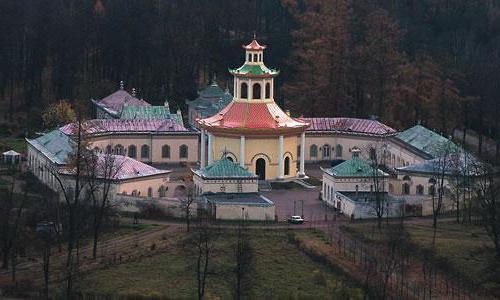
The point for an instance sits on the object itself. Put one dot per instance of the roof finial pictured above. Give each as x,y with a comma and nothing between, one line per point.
134,92
254,35
122,85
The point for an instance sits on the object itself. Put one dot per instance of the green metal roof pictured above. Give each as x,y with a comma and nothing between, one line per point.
257,70
425,140
55,145
211,91
145,113
224,168
355,167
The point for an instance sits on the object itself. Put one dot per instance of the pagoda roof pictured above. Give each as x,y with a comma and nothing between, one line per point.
115,102
355,167
251,70
349,125
253,117
224,168
254,45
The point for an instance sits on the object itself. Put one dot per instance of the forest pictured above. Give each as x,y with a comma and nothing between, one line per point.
403,62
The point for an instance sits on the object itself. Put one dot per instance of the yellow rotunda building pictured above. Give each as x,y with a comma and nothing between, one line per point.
253,130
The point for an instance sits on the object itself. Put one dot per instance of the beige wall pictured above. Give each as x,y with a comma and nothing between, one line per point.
261,147
332,185
42,168
142,185
224,185
155,144
254,213
399,155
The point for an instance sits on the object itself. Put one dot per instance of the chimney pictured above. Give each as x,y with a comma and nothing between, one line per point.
122,85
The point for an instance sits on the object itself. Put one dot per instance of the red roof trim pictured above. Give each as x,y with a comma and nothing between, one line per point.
254,45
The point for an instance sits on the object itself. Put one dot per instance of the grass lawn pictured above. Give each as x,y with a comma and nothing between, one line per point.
16,144
462,249
279,270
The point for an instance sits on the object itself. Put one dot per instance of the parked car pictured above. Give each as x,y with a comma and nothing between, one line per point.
296,220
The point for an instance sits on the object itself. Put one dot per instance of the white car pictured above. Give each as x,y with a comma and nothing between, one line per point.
296,220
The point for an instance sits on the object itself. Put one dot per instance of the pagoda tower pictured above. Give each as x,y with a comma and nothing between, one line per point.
252,129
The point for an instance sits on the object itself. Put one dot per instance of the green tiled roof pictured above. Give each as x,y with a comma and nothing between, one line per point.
257,70
145,113
211,91
55,145
355,167
224,168
425,140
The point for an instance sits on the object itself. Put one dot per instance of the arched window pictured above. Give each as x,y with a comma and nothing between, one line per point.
256,91
268,90
230,159
326,151
244,91
183,151
313,151
119,150
255,57
108,149
145,151
287,165
165,151
132,151
150,192
406,189
420,189
249,57
373,154
338,150
162,191
406,178
260,57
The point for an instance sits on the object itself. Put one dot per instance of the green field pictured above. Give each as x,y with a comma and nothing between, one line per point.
279,270
460,249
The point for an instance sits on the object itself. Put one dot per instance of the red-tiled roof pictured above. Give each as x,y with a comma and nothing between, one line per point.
118,167
118,99
253,116
254,45
353,125
102,126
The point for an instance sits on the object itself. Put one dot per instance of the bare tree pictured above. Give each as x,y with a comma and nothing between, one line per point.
243,257
441,166
487,193
187,200
204,243
376,153
11,210
101,172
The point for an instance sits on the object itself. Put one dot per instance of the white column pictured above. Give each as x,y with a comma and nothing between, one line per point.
280,158
302,154
242,151
202,149
210,148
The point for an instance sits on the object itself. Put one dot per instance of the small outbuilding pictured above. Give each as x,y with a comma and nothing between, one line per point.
11,157
243,206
